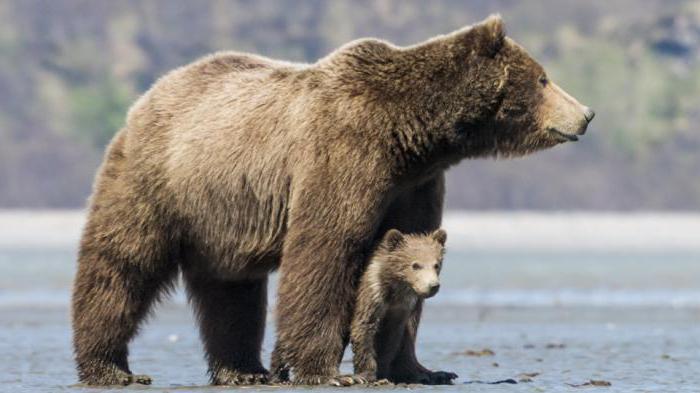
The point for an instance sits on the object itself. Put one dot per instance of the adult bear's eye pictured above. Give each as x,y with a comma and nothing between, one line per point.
416,266
544,81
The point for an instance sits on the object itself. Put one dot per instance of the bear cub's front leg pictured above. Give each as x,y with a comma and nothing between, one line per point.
403,270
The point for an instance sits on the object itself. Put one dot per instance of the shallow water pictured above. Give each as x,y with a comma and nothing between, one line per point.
638,350
629,316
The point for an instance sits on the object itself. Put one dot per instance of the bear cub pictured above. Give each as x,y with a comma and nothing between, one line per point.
403,270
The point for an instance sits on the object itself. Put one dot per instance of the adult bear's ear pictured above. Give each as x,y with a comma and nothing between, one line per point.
485,38
393,239
440,236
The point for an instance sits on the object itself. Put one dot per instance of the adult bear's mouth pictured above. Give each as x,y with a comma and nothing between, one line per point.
562,136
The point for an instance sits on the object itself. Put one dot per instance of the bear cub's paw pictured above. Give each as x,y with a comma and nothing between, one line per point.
441,378
426,378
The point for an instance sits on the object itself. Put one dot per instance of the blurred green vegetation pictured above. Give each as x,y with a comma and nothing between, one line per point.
98,111
69,69
643,97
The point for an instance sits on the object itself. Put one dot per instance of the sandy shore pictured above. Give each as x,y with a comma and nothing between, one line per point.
542,349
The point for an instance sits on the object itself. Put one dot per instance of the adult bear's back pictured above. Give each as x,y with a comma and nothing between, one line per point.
218,135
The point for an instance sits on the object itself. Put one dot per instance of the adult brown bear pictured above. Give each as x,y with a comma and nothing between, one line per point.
237,165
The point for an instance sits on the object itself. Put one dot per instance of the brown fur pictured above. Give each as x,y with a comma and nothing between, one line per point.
403,270
237,165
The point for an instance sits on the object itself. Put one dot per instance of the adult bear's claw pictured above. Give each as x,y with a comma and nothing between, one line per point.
235,378
338,380
141,379
128,379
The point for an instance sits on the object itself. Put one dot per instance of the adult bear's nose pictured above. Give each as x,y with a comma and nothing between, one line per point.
588,114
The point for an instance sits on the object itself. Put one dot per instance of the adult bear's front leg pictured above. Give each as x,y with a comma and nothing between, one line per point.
325,247
316,297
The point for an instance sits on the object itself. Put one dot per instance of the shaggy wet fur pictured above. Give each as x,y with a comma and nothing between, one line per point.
403,270
237,165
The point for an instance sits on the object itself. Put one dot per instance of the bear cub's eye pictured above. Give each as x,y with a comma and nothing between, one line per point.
437,266
544,81
416,266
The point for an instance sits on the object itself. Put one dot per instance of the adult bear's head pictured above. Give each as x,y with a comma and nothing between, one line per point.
523,110
470,93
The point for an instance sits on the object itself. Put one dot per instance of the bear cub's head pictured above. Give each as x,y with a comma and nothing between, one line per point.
413,262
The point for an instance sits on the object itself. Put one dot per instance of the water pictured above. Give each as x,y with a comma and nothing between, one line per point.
628,315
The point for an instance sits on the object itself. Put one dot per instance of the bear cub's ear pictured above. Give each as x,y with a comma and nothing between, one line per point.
488,35
393,239
440,236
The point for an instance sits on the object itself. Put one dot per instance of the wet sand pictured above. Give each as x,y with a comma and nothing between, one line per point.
541,348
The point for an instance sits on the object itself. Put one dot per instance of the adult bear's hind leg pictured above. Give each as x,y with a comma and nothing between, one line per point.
231,318
125,262
121,272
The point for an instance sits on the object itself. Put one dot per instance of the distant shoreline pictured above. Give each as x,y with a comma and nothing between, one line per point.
518,230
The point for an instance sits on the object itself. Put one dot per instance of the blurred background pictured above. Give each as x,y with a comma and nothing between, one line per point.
581,262
70,69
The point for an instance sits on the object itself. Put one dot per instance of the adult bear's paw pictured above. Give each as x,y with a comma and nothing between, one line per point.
123,379
369,379
141,379
335,380
364,378
237,378
112,376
